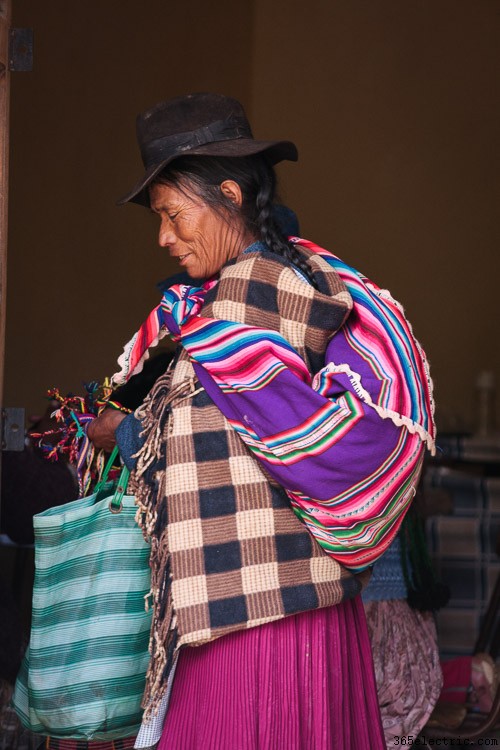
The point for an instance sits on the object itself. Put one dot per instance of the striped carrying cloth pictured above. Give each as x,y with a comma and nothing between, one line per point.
347,444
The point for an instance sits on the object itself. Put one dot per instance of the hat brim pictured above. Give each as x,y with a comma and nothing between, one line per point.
276,151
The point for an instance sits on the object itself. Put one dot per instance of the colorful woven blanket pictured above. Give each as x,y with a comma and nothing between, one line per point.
347,444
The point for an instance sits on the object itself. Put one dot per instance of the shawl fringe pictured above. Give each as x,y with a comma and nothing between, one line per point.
152,517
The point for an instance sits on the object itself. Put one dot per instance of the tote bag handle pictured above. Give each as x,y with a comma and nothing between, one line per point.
115,504
107,469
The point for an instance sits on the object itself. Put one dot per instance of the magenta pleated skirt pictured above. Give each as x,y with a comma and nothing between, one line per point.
302,683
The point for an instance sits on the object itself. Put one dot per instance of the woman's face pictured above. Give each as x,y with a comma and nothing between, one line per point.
200,239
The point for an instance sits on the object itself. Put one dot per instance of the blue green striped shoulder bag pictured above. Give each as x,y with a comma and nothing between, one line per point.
83,674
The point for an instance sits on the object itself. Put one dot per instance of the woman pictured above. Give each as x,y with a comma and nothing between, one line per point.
400,603
403,637
237,431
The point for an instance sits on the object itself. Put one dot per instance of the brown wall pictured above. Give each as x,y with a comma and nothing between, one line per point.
394,107
82,271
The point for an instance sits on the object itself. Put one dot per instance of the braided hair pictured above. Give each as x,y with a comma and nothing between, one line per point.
426,592
257,180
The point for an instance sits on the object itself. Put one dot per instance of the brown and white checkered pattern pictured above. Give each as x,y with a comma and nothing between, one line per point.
260,289
239,555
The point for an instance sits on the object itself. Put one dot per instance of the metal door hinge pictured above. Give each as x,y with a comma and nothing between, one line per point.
20,50
12,429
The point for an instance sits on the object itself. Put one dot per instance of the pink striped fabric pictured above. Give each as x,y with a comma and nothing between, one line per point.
305,682
346,445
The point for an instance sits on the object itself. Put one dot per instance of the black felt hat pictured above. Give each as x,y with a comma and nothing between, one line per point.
197,124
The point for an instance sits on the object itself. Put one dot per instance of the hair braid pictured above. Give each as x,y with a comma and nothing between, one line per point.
268,229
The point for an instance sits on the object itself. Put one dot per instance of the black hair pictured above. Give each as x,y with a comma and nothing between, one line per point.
257,180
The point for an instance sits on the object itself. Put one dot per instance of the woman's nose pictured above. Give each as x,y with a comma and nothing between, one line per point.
166,235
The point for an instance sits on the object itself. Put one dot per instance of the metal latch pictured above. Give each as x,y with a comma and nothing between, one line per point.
12,429
21,50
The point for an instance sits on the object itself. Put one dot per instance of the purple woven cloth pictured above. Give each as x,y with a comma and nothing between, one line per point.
305,682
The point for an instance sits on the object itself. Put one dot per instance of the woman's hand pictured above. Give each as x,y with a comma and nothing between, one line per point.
101,431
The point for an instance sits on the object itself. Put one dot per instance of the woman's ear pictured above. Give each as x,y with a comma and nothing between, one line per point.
232,191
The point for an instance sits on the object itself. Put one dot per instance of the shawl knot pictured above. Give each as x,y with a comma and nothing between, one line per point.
181,303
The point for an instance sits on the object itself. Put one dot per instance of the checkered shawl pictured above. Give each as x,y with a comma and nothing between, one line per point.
228,552
347,445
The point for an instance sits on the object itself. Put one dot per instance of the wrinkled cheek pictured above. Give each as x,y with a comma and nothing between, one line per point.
197,267
208,260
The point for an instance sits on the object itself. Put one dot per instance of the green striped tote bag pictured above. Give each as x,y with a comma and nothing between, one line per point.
84,672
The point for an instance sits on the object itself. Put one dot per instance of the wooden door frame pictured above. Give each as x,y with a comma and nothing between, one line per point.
5,19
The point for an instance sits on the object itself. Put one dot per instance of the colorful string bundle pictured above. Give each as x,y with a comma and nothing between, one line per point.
69,440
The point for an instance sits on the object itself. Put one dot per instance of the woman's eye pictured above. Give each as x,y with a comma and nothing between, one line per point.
172,217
